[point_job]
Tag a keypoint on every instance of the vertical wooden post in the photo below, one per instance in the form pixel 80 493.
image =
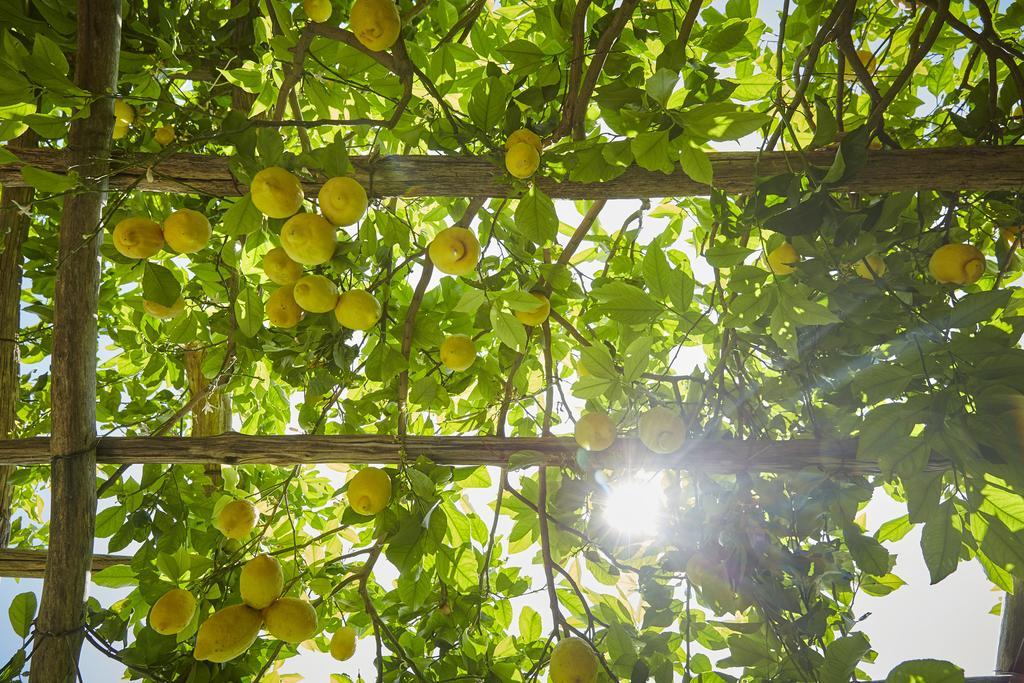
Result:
pixel 13 228
pixel 1010 656
pixel 59 627
pixel 211 416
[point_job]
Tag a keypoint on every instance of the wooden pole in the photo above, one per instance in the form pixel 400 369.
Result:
pixel 58 632
pixel 13 229
pixel 1010 656
pixel 211 415
pixel 946 169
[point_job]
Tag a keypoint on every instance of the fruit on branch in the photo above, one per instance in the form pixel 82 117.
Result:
pixel 261 581
pixel 458 352
pixel 343 643
pixel 315 293
pixel 573 661
pixel 357 309
pixel 124 116
pixel 237 519
pixel 342 201
pixel 317 10
pixel 522 160
pixel 369 491
pixel 524 135
pixel 535 316
pixel 595 431
pixel 960 264
pixel 309 239
pixel 662 430
pixel 172 612
pixel 138 237
pixel 781 259
pixel 376 23
pixel 281 309
pixel 187 231
pixel 164 312
pixel 454 251
pixel 164 135
pixel 292 620
pixel 870 267
pixel 276 192
pixel 280 268
pixel 227 633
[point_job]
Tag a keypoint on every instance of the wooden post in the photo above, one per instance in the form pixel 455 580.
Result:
pixel 13 228
pixel 1010 656
pixel 211 416
pixel 58 632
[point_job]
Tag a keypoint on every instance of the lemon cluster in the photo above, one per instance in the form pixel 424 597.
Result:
pixel 125 117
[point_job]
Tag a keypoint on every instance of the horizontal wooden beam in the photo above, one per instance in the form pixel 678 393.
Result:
pixel 947 169
pixel 708 455
pixel 31 564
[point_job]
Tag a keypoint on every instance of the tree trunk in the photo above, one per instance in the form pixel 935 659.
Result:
pixel 13 229
pixel 1010 657
pixel 59 627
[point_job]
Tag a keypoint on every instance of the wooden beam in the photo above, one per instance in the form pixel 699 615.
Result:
pixel 710 455
pixel 31 564
pixel 59 629
pixel 947 169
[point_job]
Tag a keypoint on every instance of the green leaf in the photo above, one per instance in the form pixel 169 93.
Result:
pixel 894 529
pixel 249 312
pixel 726 254
pixel 488 102
pixel 529 624
pixel 867 552
pixel 22 612
pixel 159 285
pixel 109 521
pixel 535 217
pixel 940 542
pixel 51 183
pixel 241 218
pixel 826 126
pixel 637 356
pixel 881 585
pixel 842 656
pixel 926 671
pixel 1002 546
pixel 115 576
pixel 660 86
pixel 508 329
pixel 695 162
pixel 651 151
pixel 626 303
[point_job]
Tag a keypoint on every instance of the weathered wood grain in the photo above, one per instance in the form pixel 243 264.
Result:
pixel 31 564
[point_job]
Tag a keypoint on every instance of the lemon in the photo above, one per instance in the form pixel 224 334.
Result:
pixel 781 259
pixel 163 312
pixel 524 135
pixel 315 293
pixel 877 266
pixel 172 612
pixel 309 239
pixel 277 193
pixel 960 264
pixel 595 431
pixel 343 643
pixel 227 633
pixel 662 430
pixel 124 113
pixel 573 661
pixel 342 200
pixel 369 491
pixel 292 620
pixel 454 251
pixel 458 352
pixel 261 581
pixel 237 519
pixel 186 231
pixel 317 10
pixel 120 130
pixel 535 316
pixel 376 23
pixel 357 309
pixel 280 268
pixel 522 160
pixel 138 237
pixel 281 309
pixel 164 135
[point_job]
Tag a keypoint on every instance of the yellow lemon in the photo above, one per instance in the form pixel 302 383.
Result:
pixel 573 661
pixel 124 113
pixel 315 293
pixel 458 352
pixel 281 309
pixel 309 239
pixel 342 200
pixel 261 581
pixel 276 192
pixel 187 231
pixel 454 251
pixel 343 643
pixel 172 612
pixel 292 620
pixel 369 491
pixel 227 633
pixel 877 266
pixel 595 431
pixel 662 430
pixel 237 519
pixel 376 23
pixel 781 259
pixel 138 237
pixel 960 264
pixel 163 312
pixel 522 160
pixel 120 130
pixel 280 268
pixel 357 309
pixel 164 135
pixel 317 10
pixel 535 316
pixel 524 135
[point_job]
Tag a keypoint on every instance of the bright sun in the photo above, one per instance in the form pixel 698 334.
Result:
pixel 634 506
